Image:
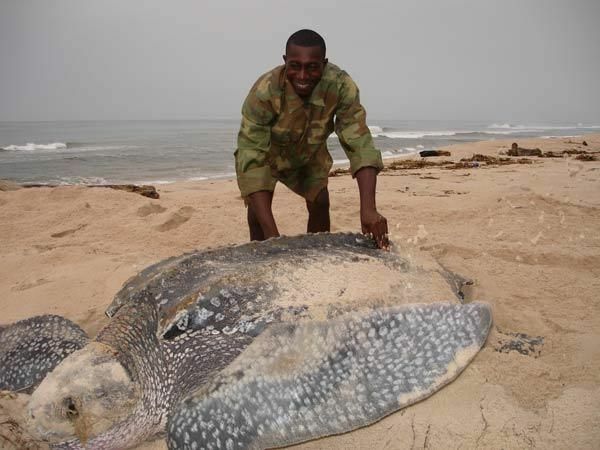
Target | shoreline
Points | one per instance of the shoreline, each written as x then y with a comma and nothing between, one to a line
393,145
526,234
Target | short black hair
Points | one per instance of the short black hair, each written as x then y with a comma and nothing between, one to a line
306,38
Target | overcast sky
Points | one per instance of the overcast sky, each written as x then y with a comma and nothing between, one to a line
519,61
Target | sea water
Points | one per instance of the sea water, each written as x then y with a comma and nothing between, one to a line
160,152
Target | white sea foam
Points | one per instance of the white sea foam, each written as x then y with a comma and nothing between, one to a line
88,148
152,182
561,136
390,154
414,134
378,132
503,132
30,146
216,176
504,125
537,128
337,162
67,181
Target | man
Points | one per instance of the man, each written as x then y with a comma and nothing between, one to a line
286,120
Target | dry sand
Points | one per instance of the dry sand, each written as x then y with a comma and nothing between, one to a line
527,234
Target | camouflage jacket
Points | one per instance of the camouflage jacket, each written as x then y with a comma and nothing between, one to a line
280,131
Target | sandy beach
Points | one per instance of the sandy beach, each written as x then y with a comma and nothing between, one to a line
526,234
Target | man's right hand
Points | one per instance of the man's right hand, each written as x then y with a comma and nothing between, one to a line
375,224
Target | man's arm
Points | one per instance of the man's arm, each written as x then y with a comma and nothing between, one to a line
253,172
371,221
365,160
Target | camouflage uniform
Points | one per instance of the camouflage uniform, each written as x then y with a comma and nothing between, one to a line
283,137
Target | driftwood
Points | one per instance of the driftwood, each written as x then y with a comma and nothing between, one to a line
427,153
520,151
145,190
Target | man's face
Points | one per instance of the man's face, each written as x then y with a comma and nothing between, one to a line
304,68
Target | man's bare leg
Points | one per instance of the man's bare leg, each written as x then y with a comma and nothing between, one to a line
318,213
256,231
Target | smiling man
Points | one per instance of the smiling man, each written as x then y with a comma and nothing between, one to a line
286,120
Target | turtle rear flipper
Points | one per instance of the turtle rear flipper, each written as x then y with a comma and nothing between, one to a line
303,381
32,347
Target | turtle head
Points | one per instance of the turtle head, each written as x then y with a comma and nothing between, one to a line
85,395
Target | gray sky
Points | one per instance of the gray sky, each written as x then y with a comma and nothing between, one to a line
521,61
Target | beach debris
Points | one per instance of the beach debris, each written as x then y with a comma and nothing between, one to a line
570,152
478,160
321,325
428,153
339,171
475,161
586,157
584,144
515,150
145,190
507,341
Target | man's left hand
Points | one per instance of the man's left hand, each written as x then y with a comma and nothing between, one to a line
375,224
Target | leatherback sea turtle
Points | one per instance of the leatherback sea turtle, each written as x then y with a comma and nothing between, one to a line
252,346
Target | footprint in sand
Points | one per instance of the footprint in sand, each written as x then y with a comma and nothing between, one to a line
25,285
177,219
150,208
68,232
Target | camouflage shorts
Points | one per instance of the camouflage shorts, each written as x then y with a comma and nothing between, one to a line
307,181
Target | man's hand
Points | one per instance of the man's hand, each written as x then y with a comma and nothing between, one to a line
375,224
371,221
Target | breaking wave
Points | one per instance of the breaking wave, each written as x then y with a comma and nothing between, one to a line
30,146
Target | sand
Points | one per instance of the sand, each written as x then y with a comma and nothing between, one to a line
526,234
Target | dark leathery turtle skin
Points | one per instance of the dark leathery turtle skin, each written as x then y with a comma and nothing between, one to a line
303,381
180,323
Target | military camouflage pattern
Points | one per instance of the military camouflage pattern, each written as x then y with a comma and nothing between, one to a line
282,137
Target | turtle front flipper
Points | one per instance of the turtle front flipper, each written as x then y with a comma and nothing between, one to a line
307,380
31,348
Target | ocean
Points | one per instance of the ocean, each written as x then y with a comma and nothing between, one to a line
161,152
